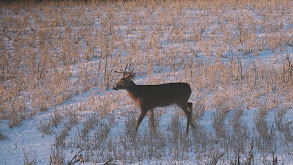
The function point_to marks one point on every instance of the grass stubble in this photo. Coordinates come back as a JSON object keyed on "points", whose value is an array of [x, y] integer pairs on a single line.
{"points": [[52, 51]]}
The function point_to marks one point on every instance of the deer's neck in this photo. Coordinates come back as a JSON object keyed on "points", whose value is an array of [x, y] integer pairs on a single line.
{"points": [[132, 91]]}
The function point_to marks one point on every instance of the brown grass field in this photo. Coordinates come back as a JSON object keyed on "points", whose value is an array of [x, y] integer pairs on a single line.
{"points": [[57, 63]]}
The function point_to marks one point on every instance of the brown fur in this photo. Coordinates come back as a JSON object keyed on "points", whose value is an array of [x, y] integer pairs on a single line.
{"points": [[148, 97]]}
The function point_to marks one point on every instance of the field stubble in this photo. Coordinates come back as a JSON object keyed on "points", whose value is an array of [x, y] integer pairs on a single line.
{"points": [[236, 56]]}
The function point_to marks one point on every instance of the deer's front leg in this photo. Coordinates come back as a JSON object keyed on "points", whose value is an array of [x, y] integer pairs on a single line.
{"points": [[140, 118]]}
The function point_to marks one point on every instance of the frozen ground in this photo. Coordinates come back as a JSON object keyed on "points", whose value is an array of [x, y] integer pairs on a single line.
{"points": [[27, 139], [110, 135]]}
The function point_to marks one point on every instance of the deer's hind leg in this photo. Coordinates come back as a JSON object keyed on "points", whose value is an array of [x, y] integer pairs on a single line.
{"points": [[190, 110], [184, 107], [151, 118], [190, 107]]}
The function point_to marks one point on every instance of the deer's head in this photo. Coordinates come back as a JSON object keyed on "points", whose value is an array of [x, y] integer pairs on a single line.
{"points": [[125, 82]]}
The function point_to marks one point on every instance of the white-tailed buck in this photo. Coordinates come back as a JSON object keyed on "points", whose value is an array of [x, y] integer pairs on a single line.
{"points": [[148, 97]]}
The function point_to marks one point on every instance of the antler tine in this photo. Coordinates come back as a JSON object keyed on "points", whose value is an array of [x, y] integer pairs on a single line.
{"points": [[118, 71], [122, 72], [126, 67], [125, 72], [131, 74]]}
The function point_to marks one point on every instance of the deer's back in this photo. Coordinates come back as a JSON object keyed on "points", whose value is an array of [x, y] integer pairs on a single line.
{"points": [[163, 94]]}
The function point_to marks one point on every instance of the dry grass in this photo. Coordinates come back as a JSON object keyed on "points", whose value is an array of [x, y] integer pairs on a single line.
{"points": [[29, 159], [2, 136], [52, 51]]}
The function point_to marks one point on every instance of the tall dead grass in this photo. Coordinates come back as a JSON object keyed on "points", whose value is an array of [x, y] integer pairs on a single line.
{"points": [[52, 51]]}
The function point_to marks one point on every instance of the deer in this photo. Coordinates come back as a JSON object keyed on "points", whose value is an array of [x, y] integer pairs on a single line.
{"points": [[148, 97]]}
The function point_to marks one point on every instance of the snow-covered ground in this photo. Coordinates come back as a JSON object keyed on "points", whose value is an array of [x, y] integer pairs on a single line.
{"points": [[182, 45]]}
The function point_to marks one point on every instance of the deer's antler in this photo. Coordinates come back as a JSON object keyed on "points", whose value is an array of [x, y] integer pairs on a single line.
{"points": [[125, 72]]}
